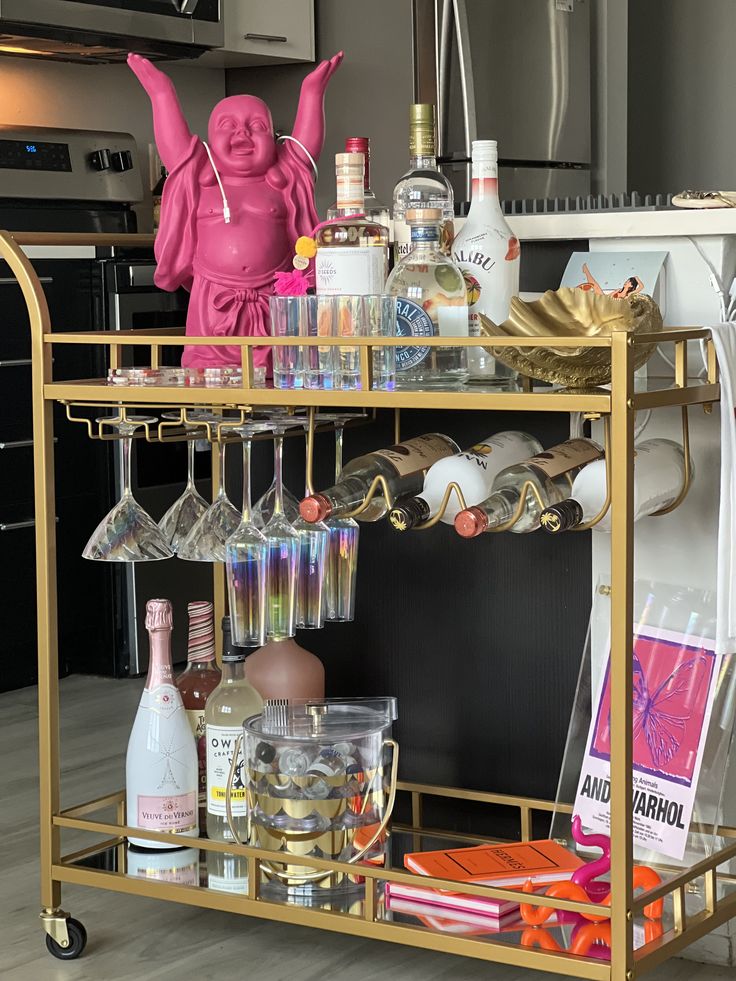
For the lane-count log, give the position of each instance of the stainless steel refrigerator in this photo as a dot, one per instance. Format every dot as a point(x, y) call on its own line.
point(517, 71)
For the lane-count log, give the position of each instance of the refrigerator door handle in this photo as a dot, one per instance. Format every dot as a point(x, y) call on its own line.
point(467, 84)
point(444, 40)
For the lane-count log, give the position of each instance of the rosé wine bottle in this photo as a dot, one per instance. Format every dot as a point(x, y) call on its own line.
point(161, 770)
point(196, 683)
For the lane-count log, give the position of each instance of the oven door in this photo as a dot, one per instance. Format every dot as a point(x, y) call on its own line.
point(175, 21)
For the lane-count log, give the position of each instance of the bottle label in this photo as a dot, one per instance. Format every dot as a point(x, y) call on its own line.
point(163, 700)
point(221, 742)
point(177, 814)
point(402, 238)
point(411, 321)
point(196, 721)
point(356, 270)
point(416, 454)
point(222, 883)
point(565, 457)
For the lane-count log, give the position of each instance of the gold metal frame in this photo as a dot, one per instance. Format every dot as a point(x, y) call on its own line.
point(619, 404)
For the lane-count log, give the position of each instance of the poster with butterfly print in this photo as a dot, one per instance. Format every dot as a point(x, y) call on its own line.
point(674, 686)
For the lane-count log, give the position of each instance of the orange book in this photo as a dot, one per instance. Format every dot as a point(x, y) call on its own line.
point(510, 865)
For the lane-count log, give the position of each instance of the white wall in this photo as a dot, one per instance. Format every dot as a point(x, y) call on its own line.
point(37, 93)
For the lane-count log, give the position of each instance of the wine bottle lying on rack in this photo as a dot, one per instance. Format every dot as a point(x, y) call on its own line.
point(659, 476)
point(473, 471)
point(403, 467)
point(551, 473)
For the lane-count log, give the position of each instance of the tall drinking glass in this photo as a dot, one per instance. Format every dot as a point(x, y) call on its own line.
point(246, 554)
point(127, 533)
point(282, 554)
point(341, 567)
point(313, 540)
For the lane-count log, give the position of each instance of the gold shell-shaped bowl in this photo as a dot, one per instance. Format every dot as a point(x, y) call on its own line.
point(573, 313)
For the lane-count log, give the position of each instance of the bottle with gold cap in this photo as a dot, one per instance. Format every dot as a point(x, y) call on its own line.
point(423, 185)
point(352, 253)
point(431, 301)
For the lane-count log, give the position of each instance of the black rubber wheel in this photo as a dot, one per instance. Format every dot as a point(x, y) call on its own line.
point(77, 942)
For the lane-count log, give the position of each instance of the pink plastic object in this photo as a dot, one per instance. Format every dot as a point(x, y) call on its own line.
point(226, 243)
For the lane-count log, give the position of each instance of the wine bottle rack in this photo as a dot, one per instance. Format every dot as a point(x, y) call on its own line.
point(364, 914)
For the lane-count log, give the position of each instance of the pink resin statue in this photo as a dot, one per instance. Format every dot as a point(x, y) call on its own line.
point(232, 207)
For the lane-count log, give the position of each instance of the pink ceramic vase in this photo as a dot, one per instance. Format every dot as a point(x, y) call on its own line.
point(283, 669)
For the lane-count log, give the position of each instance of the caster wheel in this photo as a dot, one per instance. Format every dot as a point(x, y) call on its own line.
point(77, 942)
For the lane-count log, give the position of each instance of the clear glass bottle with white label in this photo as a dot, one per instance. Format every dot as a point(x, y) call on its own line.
point(431, 302)
point(402, 466)
point(230, 704)
point(423, 185)
point(161, 771)
point(473, 470)
point(551, 473)
point(488, 253)
point(659, 476)
point(352, 253)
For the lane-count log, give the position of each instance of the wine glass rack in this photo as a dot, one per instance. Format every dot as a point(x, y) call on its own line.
point(364, 913)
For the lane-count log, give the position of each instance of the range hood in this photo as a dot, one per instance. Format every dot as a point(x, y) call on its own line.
point(88, 32)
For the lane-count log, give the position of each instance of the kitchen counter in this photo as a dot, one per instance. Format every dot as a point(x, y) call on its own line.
point(694, 222)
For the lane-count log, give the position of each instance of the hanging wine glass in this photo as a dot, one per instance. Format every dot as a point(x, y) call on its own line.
point(282, 552)
point(127, 533)
point(341, 566)
point(190, 506)
point(313, 541)
point(206, 541)
point(246, 557)
point(263, 509)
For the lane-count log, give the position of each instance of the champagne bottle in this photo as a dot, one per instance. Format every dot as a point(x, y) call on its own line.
point(196, 683)
point(659, 475)
point(230, 704)
point(551, 473)
point(473, 471)
point(161, 772)
point(402, 466)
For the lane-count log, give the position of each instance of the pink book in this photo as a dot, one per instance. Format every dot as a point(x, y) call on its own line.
point(447, 901)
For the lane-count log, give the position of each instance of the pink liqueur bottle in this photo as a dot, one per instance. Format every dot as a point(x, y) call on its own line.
point(161, 769)
point(197, 682)
point(283, 669)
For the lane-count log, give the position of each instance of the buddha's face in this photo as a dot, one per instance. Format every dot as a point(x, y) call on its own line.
point(240, 135)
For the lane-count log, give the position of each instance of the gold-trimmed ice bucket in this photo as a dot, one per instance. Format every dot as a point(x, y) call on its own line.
point(320, 782)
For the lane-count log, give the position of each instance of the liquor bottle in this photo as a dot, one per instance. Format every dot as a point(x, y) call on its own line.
point(283, 669)
point(157, 192)
point(196, 683)
point(230, 704)
point(352, 255)
point(659, 475)
point(473, 471)
point(487, 252)
point(373, 209)
point(551, 472)
point(227, 872)
point(431, 302)
point(402, 466)
point(161, 773)
point(423, 185)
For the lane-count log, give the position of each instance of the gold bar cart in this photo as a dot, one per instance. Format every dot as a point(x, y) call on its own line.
point(105, 816)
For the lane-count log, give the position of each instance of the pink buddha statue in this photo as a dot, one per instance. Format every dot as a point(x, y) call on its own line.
point(233, 207)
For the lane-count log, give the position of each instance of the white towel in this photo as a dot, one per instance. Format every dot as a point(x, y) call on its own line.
point(724, 340)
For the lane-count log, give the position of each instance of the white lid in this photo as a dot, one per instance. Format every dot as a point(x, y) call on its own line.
point(485, 150)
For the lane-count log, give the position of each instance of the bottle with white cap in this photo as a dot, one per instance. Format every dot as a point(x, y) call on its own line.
point(487, 252)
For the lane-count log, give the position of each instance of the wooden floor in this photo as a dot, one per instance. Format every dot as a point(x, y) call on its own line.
point(133, 939)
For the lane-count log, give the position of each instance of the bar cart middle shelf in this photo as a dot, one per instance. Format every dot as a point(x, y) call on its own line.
point(102, 861)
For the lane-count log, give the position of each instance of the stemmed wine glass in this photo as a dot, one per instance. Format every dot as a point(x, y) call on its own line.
point(313, 541)
point(264, 507)
point(127, 533)
point(206, 541)
point(282, 551)
point(190, 506)
point(246, 557)
point(341, 567)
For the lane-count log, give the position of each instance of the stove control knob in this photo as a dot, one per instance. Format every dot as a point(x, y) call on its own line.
point(99, 160)
point(122, 160)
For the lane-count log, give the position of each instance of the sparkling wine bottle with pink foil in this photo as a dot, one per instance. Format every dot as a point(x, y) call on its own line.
point(161, 768)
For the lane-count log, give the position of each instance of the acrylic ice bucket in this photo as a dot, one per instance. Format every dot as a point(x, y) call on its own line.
point(321, 782)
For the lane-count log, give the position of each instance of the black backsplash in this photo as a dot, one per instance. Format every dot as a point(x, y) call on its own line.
point(479, 640)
